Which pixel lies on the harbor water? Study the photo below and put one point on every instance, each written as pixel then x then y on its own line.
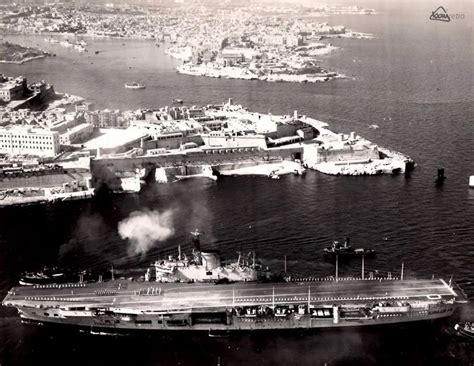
pixel 413 80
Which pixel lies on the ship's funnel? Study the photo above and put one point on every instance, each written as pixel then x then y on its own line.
pixel 211 260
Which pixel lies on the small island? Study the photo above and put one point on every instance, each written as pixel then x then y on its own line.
pixel 11 53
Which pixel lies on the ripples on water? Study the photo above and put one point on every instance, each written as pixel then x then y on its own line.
pixel 419 96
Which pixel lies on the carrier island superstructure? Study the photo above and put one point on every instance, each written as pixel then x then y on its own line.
pixel 201 293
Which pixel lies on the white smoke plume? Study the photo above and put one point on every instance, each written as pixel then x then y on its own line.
pixel 144 229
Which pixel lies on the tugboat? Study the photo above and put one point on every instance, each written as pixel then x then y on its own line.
pixel 55 275
pixel 45 276
pixel 465 329
pixel 134 86
pixel 345 250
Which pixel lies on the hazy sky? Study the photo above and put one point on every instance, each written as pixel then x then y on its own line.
pixel 466 5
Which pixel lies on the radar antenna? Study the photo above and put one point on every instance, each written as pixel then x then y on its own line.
pixel 196 233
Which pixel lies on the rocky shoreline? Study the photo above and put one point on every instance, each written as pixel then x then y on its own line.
pixel 246 74
pixel 12 53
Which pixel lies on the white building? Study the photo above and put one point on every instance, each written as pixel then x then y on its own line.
pixel 220 139
pixel 114 141
pixel 77 134
pixel 29 141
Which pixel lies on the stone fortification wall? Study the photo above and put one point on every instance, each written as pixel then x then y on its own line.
pixel 104 169
pixel 346 154
pixel 195 158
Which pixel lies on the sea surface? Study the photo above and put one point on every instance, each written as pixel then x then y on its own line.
pixel 414 80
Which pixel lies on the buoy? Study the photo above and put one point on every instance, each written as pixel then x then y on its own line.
pixel 441 177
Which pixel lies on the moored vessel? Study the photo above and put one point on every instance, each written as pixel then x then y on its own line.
pixel 346 250
pixel 134 85
pixel 44 276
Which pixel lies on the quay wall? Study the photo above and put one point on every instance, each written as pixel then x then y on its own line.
pixel 104 170
pixel 194 158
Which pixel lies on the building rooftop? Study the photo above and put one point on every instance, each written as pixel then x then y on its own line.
pixel 114 137
pixel 77 128
pixel 27 129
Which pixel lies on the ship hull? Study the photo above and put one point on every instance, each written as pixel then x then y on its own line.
pixel 235 324
pixel 129 305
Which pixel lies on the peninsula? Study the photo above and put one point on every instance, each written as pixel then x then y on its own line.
pixel 49 153
pixel 16 54
pixel 268 42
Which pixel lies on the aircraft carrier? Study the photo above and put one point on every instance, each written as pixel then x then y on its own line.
pixel 201 293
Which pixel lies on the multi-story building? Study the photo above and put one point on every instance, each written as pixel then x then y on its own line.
pixel 92 118
pixel 29 141
pixel 77 134
pixel 220 139
pixel 108 118
pixel 12 89
pixel 84 107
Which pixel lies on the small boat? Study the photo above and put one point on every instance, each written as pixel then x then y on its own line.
pixel 45 276
pixel 177 101
pixel 274 175
pixel 465 329
pixel 57 275
pixel 345 250
pixel 134 86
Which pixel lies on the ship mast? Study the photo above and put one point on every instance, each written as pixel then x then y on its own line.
pixel 197 245
pixel 363 258
pixel 196 241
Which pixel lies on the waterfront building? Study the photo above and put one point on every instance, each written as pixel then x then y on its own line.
pixel 18 140
pixel 346 148
pixel 230 57
pixel 220 139
pixel 12 89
